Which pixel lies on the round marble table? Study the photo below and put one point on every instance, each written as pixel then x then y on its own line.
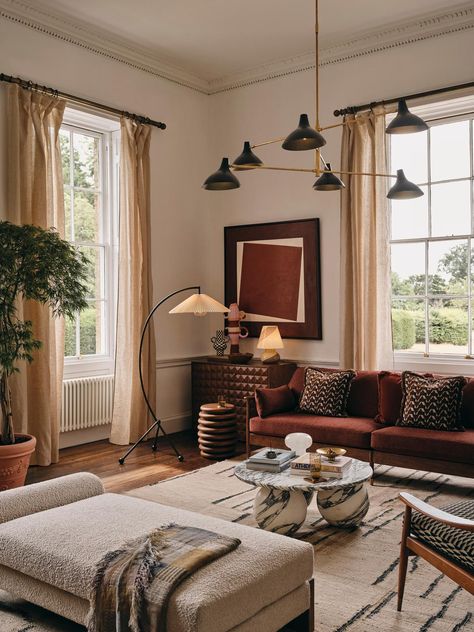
pixel 282 499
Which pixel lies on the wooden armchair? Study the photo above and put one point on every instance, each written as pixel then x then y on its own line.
pixel 443 539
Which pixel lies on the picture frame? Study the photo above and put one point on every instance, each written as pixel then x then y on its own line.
pixel 273 272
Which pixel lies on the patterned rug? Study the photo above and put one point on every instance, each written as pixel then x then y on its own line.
pixel 355 571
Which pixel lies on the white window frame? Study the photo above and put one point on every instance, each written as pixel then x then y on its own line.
pixel 108 131
pixel 456 109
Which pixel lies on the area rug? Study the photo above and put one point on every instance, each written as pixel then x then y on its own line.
pixel 355 570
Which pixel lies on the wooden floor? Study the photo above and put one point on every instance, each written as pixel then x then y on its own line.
pixel 142 467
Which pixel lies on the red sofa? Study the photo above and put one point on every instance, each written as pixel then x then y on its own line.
pixel 367 439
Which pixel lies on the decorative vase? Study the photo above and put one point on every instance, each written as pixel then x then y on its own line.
pixel 234 329
pixel 219 342
pixel 14 461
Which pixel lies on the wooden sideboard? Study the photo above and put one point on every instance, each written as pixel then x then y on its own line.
pixel 235 382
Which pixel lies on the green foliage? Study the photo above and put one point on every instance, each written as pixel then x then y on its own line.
pixel 35 265
pixel 403 329
pixel 454 263
pixel 448 325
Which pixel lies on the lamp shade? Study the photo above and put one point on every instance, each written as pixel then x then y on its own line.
pixel 199 305
pixel 328 181
pixel 403 189
pixel 270 338
pixel 405 122
pixel 303 137
pixel 247 158
pixel 221 180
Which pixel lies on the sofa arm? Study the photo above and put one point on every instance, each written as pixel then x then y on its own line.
pixel 23 501
pixel 250 407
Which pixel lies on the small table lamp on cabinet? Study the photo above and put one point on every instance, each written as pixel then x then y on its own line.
pixel 269 341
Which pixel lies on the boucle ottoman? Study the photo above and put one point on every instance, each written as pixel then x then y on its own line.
pixel 52 534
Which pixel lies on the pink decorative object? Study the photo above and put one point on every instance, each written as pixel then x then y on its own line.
pixel 233 328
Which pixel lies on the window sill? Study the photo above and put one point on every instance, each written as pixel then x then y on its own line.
pixel 455 365
pixel 87 367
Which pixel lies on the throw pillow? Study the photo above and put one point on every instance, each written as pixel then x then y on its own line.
pixel 324 393
pixel 270 401
pixel 390 397
pixel 431 403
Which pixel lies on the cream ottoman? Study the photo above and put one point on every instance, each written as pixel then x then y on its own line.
pixel 52 534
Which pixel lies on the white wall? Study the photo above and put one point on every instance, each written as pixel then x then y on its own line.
pixel 270 110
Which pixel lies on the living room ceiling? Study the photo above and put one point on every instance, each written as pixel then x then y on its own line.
pixel 213 39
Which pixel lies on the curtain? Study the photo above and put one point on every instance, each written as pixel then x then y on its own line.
pixel 35 196
pixel 135 291
pixel 366 332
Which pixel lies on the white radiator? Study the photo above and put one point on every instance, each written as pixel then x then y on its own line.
pixel 87 402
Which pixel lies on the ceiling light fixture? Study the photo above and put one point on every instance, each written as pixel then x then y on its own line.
pixel 305 137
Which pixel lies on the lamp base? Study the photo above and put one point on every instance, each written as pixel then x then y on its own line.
pixel 270 356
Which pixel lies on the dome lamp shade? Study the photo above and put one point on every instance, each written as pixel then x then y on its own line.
pixel 247 158
pixel 328 181
pixel 221 180
pixel 405 122
pixel 403 189
pixel 304 137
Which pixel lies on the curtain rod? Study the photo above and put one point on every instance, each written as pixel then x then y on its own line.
pixel 367 106
pixel 30 85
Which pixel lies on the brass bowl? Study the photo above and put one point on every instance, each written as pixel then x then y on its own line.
pixel 331 454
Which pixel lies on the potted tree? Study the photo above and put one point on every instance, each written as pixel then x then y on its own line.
pixel 35 265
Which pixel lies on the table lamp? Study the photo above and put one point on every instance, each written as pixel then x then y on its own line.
pixel 269 341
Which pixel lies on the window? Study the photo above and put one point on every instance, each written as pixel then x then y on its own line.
pixel 432 239
pixel 89 158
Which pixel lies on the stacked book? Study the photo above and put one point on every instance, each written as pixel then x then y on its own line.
pixel 269 460
pixel 329 469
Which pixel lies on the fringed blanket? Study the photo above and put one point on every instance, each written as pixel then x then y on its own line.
pixel 133 585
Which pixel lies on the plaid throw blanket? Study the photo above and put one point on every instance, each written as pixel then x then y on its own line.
pixel 133 585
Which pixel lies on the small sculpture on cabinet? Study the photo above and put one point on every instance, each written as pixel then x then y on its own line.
pixel 219 342
pixel 235 332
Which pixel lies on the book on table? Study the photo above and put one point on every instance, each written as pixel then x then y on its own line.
pixel 280 456
pixel 335 468
pixel 266 467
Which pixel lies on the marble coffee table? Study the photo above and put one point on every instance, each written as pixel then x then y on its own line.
pixel 282 499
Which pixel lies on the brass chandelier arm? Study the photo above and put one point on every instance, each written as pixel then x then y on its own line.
pixel 302 170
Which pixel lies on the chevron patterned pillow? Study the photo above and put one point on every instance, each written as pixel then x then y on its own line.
pixel 324 393
pixel 431 403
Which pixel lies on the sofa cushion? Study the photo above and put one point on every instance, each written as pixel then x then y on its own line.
pixel 326 393
pixel 61 547
pixel 456 544
pixel 431 444
pixel 352 432
pixel 274 400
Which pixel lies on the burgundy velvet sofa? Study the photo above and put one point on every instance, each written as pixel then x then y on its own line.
pixel 366 438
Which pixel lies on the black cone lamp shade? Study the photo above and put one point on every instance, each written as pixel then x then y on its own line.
pixel 222 180
pixel 328 181
pixel 247 158
pixel 403 189
pixel 405 122
pixel 303 137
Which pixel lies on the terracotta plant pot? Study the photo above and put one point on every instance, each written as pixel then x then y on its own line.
pixel 14 461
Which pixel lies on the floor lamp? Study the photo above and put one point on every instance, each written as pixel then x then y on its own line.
pixel 198 304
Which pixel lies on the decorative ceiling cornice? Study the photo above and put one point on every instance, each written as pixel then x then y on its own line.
pixel 40 17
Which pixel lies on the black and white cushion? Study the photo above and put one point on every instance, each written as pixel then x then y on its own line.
pixel 431 403
pixel 325 393
pixel 455 544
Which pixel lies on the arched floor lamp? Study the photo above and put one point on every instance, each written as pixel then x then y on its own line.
pixel 198 304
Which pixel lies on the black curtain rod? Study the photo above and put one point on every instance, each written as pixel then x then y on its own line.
pixel 30 85
pixel 368 106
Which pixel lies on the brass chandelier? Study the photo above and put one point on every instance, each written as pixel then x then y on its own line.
pixel 305 137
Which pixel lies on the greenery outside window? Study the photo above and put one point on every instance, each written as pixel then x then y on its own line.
pixel 89 149
pixel 432 240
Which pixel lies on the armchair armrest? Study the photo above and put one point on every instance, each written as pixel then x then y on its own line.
pixel 250 407
pixel 436 514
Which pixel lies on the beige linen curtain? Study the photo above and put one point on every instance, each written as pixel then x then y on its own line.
pixel 35 196
pixel 135 291
pixel 366 336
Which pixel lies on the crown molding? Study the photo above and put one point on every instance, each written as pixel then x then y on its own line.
pixel 40 17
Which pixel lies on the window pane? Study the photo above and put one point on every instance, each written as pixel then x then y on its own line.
pixel 410 153
pixel 408 325
pixel 91 328
pixel 451 209
pixel 448 330
pixel 450 151
pixel 86 160
pixel 70 337
pixel 86 216
pixel 64 144
pixel 95 271
pixel 410 217
pixel 408 269
pixel 447 267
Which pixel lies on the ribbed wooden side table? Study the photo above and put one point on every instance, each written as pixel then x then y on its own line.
pixel 217 431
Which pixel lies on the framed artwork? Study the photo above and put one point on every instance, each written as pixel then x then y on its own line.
pixel 273 272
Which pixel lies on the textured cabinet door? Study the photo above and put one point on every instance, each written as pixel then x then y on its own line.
pixel 235 382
